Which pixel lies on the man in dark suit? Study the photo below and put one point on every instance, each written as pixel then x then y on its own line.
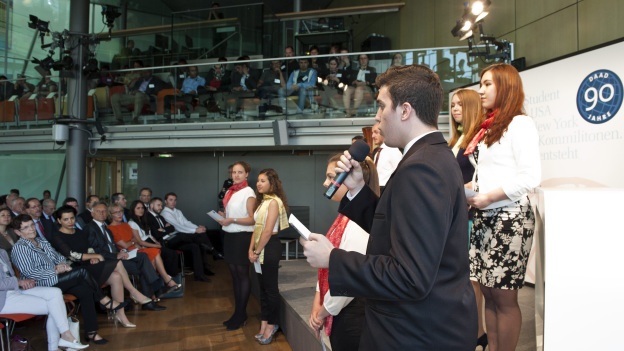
pixel 415 274
pixel 85 217
pixel 144 91
pixel 167 235
pixel 101 240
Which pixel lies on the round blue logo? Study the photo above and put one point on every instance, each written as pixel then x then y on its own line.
pixel 600 96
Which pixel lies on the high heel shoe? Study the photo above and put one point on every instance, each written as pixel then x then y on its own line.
pixel 268 340
pixel 483 341
pixel 90 336
pixel 142 302
pixel 112 311
pixel 176 286
pixel 125 325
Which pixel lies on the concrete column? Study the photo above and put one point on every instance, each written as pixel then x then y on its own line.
pixel 77 107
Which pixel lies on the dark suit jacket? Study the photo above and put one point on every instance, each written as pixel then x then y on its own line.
pixel 251 83
pixel 368 77
pixel 154 86
pixel 86 216
pixel 98 242
pixel 154 227
pixel 415 276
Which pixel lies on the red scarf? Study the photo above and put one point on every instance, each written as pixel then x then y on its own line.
pixel 234 188
pixel 335 237
pixel 477 138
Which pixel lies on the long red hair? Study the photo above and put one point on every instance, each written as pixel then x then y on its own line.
pixel 509 100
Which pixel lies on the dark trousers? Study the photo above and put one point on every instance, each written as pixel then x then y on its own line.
pixel 269 291
pixel 141 266
pixel 186 98
pixel 81 284
pixel 170 259
pixel 347 327
pixel 187 243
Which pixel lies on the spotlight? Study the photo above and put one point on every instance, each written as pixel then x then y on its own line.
pixel 110 13
pixel 36 23
pixel 466 36
pixel 471 17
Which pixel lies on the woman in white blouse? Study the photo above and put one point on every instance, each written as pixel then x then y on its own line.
pixel 506 153
pixel 342 317
pixel 239 203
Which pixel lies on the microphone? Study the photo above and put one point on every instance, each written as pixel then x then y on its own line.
pixel 358 150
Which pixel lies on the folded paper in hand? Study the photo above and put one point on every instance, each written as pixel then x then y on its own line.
pixel 299 227
pixel 214 215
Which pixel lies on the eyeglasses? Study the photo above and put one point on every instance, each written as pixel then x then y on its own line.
pixel 116 212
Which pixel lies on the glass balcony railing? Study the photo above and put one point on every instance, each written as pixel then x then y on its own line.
pixel 253 88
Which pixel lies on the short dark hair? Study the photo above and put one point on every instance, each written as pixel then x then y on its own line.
pixel 154 199
pixel 222 59
pixel 64 209
pixel 314 47
pixel 115 197
pixel 359 137
pixel 146 188
pixel 69 199
pixel 242 58
pixel 91 197
pixel 417 85
pixel 170 194
pixel 14 191
pixel 16 223
pixel 29 200
pixel 304 59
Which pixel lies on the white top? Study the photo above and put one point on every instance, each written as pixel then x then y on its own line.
pixel 389 158
pixel 354 238
pixel 512 163
pixel 142 233
pixel 456 146
pixel 237 208
pixel 176 218
pixel 276 227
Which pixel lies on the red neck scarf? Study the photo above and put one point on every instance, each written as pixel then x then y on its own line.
pixel 234 188
pixel 335 237
pixel 477 138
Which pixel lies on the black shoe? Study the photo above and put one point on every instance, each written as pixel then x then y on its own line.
pixel 208 272
pixel 216 254
pixel 202 279
pixel 152 307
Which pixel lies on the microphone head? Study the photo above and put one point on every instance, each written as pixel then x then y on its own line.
pixel 359 150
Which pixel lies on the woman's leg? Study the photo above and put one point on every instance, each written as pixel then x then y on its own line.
pixel 479 296
pixel 121 270
pixel 269 284
pixel 359 97
pixel 157 262
pixel 503 318
pixel 117 293
pixel 242 289
pixel 346 99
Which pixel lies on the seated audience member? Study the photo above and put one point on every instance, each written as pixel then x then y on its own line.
pixel 46 195
pixel 244 81
pixel 143 92
pixel 48 208
pixel 130 78
pixel 107 79
pixel 46 86
pixel 70 201
pixel 132 235
pixel 361 81
pixel 36 259
pixel 74 245
pixel 101 241
pixel 145 195
pixel 22 88
pixel 17 205
pixel 177 75
pixel 3 201
pixel 316 62
pixel 7 235
pixel 183 225
pixel 345 63
pixel 331 85
pixel 289 65
pixel 6 88
pixel 217 84
pixel 130 50
pixel 187 93
pixel 34 210
pixel 300 82
pixel 85 217
pixel 22 296
pixel 270 83
pixel 166 234
pixel 397 59
pixel 120 199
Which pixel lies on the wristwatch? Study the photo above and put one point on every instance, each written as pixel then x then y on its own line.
pixel 234 220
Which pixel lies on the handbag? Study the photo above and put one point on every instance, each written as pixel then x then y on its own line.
pixel 74 326
pixel 19 343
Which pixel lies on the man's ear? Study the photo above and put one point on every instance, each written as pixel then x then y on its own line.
pixel 406 111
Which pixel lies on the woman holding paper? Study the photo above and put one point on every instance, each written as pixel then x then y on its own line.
pixel 127 237
pixel 506 151
pixel 73 243
pixel 265 248
pixel 342 317
pixel 239 202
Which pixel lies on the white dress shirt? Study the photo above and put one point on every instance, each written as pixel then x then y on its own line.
pixel 387 161
pixel 237 208
pixel 176 218
pixel 512 163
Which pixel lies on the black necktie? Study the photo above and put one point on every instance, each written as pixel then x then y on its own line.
pixel 111 247
pixel 160 223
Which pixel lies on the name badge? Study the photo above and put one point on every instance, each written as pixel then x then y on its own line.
pixel 181 76
pixel 339 75
pixel 366 72
pixel 304 78
pixel 43 85
pixel 151 86
pixel 277 81
pixel 283 67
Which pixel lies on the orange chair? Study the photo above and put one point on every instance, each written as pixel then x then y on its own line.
pixel 8 322
pixel 27 110
pixel 7 111
pixel 115 89
pixel 160 101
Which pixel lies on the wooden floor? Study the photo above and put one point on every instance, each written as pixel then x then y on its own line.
pixel 189 323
